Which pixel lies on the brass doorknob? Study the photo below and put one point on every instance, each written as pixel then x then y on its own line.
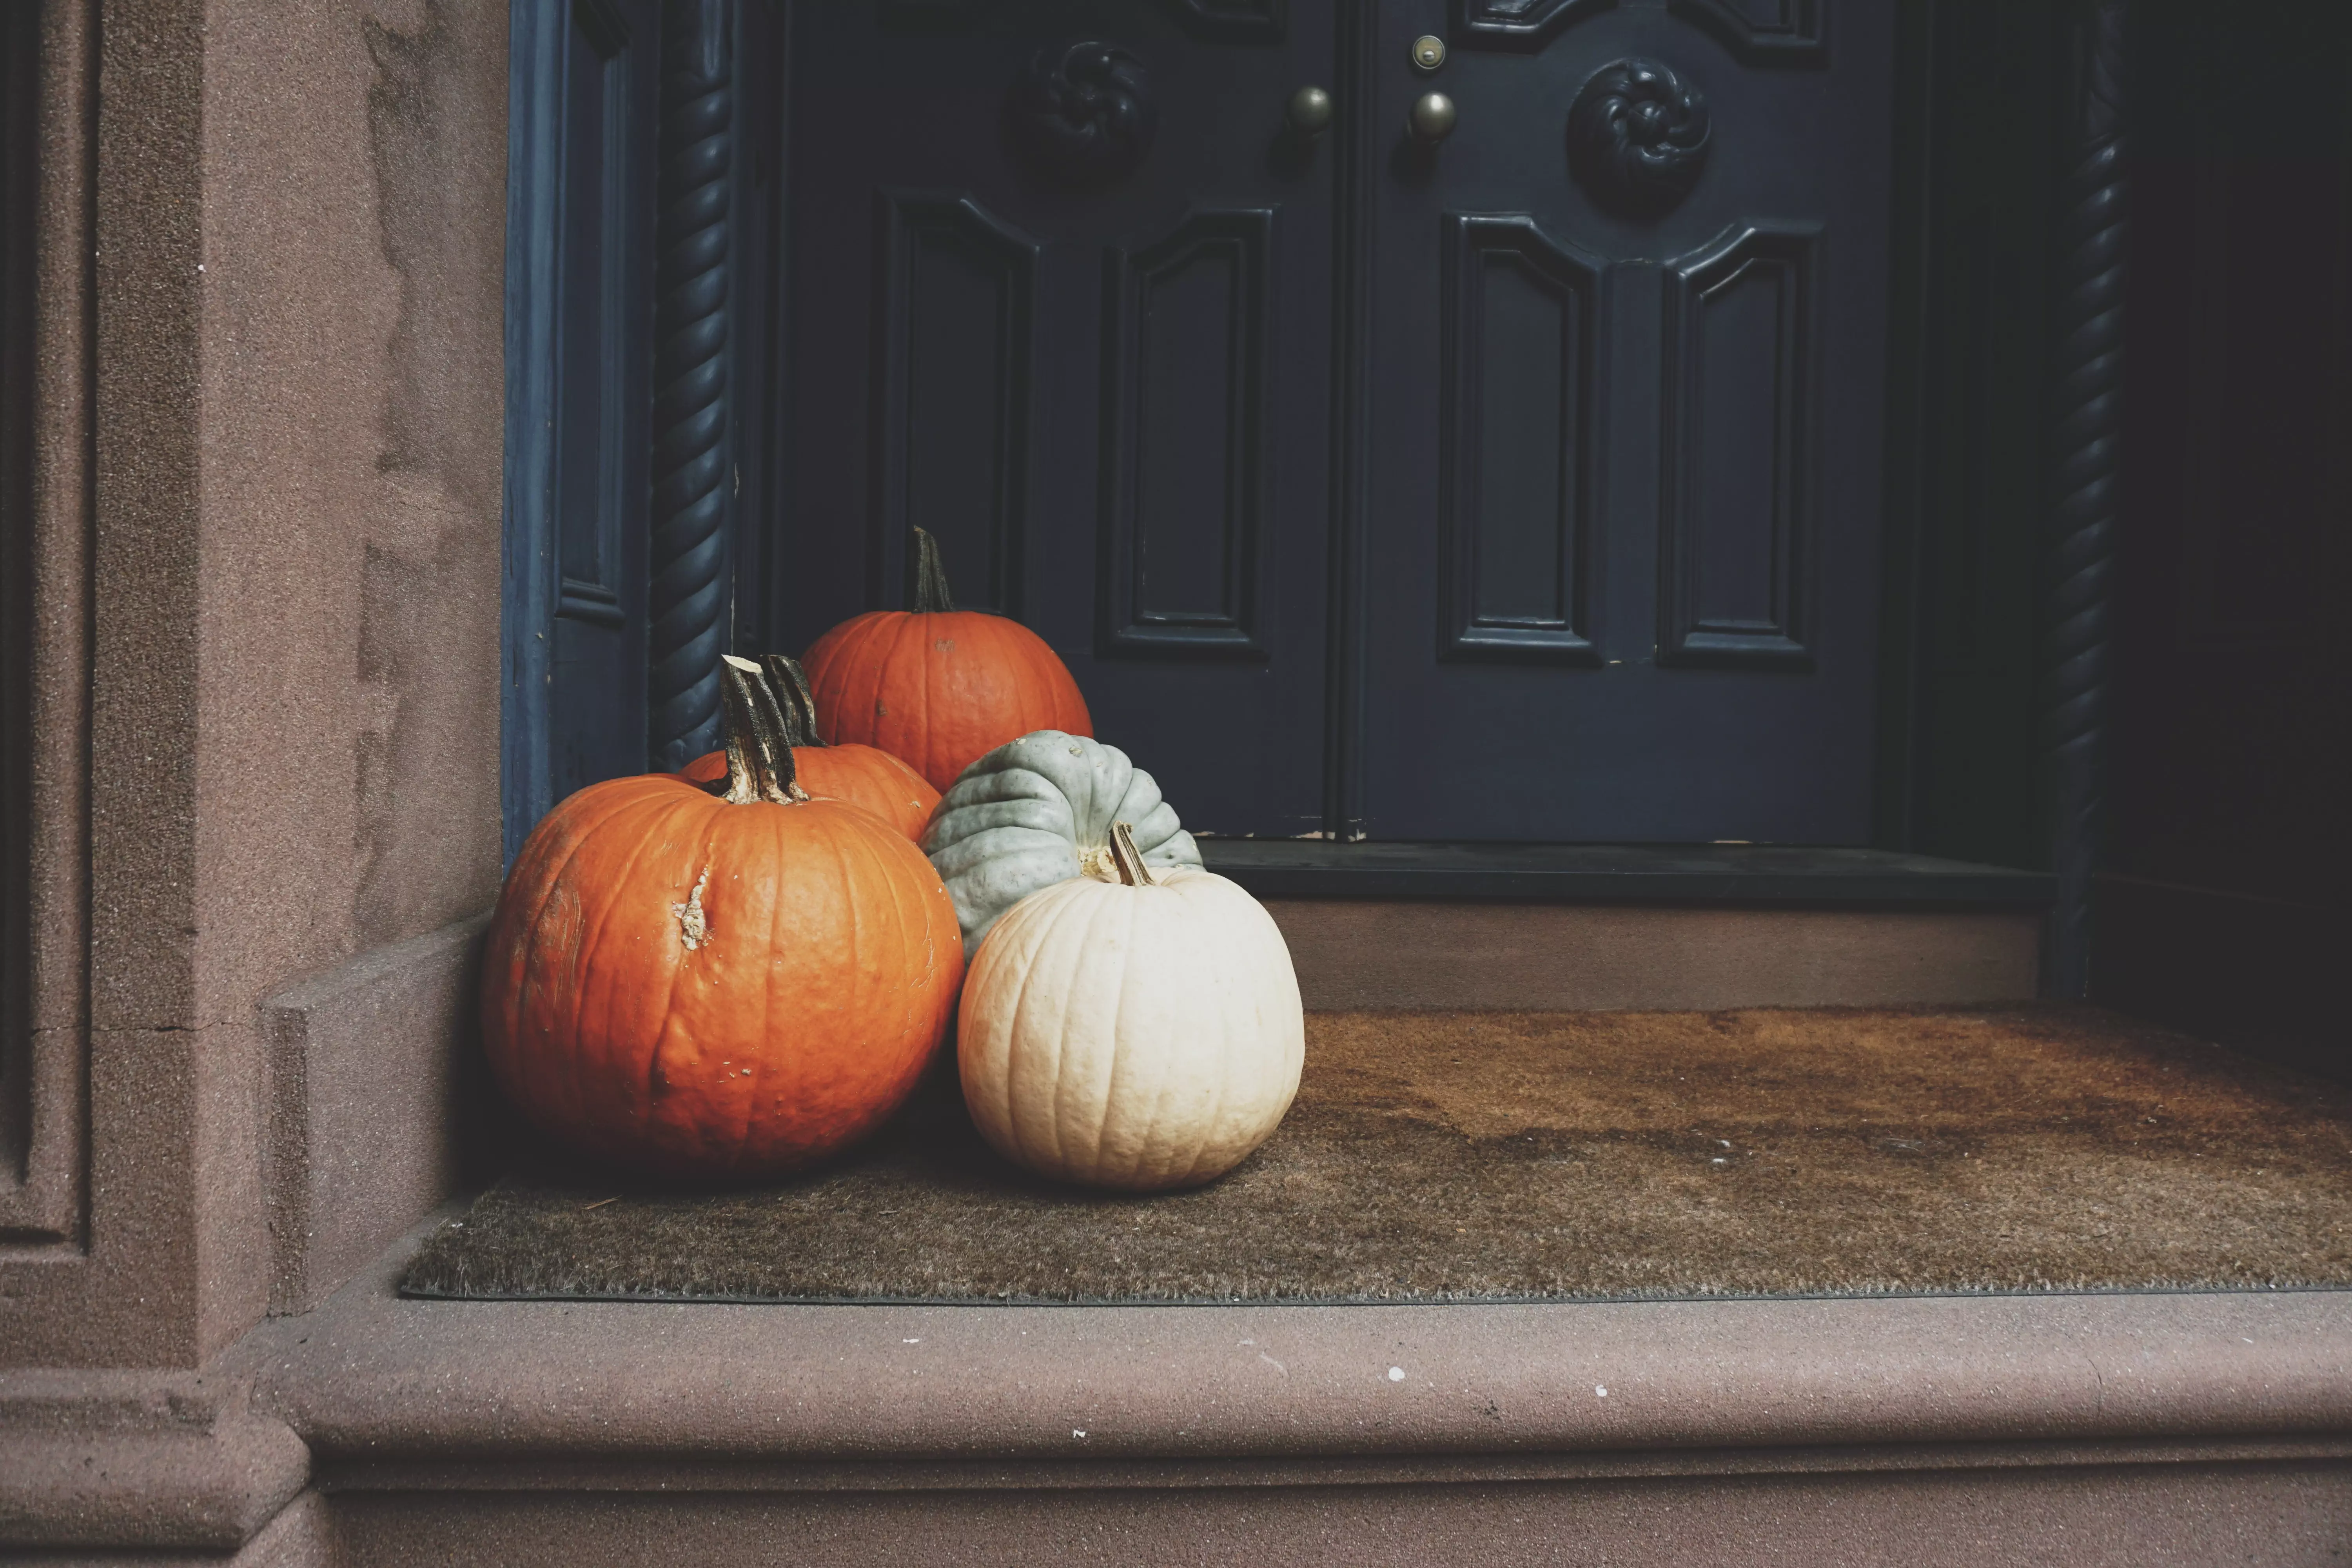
pixel 1310 111
pixel 1431 118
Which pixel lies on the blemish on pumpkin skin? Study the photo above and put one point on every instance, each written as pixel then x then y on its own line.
pixel 693 925
pixel 945 645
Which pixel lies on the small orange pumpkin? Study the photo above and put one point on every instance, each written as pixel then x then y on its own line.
pixel 936 686
pixel 862 775
pixel 717 984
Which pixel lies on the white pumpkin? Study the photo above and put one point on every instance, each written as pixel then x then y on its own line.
pixel 1037 811
pixel 1138 1030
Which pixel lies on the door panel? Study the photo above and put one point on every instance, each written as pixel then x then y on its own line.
pixel 1518 437
pixel 1737 518
pixel 1184 438
pixel 1107 394
pixel 955 356
pixel 596 688
pixel 1695 660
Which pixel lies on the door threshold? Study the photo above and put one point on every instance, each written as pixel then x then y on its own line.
pixel 1617 873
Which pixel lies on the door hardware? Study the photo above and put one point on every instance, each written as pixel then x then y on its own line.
pixel 1431 118
pixel 1310 111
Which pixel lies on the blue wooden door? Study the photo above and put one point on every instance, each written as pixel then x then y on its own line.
pixel 580 316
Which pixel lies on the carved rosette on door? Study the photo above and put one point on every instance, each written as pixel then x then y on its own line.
pixel 1638 136
pixel 1082 111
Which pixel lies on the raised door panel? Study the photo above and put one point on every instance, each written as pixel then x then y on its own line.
pixel 602 404
pixel 1737 512
pixel 1184 436
pixel 954 351
pixel 1519 443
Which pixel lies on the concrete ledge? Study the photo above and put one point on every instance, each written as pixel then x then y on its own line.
pixel 365 1113
pixel 2267 1514
pixel 373 1377
pixel 1444 955
pixel 139 1460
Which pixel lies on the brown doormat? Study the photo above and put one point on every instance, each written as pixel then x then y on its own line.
pixel 1496 1156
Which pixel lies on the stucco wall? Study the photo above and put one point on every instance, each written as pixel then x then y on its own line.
pixel 293 517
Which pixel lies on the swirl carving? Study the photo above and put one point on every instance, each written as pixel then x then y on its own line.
pixel 1083 112
pixel 2086 403
pixel 687 591
pixel 1638 136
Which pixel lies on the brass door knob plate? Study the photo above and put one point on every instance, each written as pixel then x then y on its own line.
pixel 1310 111
pixel 1431 118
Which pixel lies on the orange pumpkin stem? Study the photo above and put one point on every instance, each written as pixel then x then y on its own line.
pixel 927 579
pixel 759 757
pixel 1127 858
pixel 791 684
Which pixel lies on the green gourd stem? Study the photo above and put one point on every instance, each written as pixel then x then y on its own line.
pixel 759 762
pixel 791 684
pixel 1127 858
pixel 927 580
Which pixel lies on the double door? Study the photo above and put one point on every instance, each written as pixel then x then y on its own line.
pixel 1498 468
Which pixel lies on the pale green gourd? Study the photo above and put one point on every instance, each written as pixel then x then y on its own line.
pixel 1037 811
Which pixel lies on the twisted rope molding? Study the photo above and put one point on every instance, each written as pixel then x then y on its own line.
pixel 693 462
pixel 2086 465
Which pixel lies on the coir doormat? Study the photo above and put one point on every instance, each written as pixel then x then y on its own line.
pixel 1483 1156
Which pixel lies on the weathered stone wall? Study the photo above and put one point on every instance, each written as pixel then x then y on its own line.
pixel 288 499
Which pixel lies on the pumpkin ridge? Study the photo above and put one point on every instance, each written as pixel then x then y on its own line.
pixel 1225 957
pixel 874 653
pixel 752 1121
pixel 1062 910
pixel 576 841
pixel 577 967
pixel 548 882
pixel 876 854
pixel 1216 1114
pixel 927 664
pixel 867 660
pixel 592 936
pixel 1024 977
pixel 1119 1070
pixel 843 878
pixel 1045 684
pixel 709 858
pixel 593 941
pixel 855 854
pixel 778 831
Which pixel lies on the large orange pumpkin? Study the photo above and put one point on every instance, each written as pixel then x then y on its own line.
pixel 716 984
pixel 862 775
pixel 938 686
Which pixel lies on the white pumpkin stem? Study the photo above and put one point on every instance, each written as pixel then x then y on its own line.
pixel 759 760
pixel 1126 858
pixel 926 580
pixel 790 682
